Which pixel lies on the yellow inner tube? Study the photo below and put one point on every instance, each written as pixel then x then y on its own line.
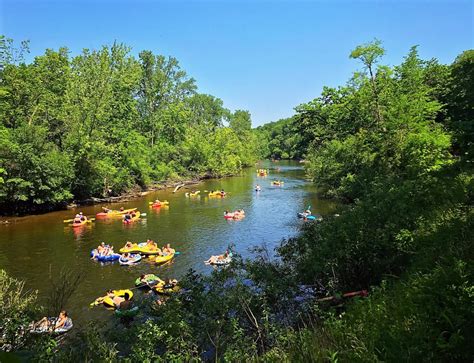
pixel 109 302
pixel 137 215
pixel 160 289
pixel 163 259
pixel 118 213
pixel 145 250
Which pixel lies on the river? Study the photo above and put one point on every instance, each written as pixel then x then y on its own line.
pixel 34 248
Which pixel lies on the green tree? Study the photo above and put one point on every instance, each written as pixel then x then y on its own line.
pixel 369 54
pixel 162 83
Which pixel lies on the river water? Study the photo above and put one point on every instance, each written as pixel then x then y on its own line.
pixel 35 248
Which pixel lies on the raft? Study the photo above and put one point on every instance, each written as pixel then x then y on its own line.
pixel 102 258
pixel 223 262
pixel 66 327
pixel 309 217
pixel 133 259
pixel 139 248
pixel 151 280
pixel 234 216
pixel 162 259
pixel 114 213
pixel 277 183
pixel 109 303
pixel 80 224
pixel 128 221
pixel 160 204
pixel 165 289
pixel 195 194
pixel 217 194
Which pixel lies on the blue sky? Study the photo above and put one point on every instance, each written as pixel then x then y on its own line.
pixel 264 56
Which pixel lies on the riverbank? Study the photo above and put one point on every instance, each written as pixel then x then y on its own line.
pixel 135 193
pixel 194 226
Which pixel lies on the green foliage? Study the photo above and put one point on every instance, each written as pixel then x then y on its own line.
pixel 460 100
pixel 89 344
pixel 407 225
pixel 17 307
pixel 280 140
pixel 104 122
pixel 394 144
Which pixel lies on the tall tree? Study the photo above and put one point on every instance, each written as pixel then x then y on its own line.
pixel 162 83
pixel 369 54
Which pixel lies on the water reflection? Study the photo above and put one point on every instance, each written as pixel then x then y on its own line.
pixel 36 247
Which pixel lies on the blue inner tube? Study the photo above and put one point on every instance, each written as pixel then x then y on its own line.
pixel 113 257
pixel 131 260
pixel 309 217
pixel 102 258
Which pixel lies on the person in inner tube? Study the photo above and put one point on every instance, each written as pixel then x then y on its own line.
pixel 126 304
pixel 47 324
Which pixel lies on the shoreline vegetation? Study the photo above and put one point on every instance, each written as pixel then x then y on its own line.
pixel 102 122
pixel 388 278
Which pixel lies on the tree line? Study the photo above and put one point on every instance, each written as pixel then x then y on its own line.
pixel 105 121
pixel 395 146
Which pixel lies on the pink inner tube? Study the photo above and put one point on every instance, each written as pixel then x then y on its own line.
pixel 229 216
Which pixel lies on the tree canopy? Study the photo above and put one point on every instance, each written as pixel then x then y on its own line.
pixel 103 122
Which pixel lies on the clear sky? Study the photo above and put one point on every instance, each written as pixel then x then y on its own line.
pixel 264 56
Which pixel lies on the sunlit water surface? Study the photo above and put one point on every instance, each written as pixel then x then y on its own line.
pixel 36 247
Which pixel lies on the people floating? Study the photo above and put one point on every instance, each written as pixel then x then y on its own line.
pixel 114 299
pixel 237 214
pixel 79 218
pixel 103 250
pixel 52 324
pixel 152 246
pixel 167 250
pixel 223 259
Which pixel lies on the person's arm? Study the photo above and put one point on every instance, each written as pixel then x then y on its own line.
pixel 60 323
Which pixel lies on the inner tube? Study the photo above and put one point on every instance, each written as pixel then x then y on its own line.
pixel 160 204
pixel 79 224
pixel 133 219
pixel 163 259
pixel 196 193
pixel 135 258
pixel 114 213
pixel 166 289
pixel 306 216
pixel 66 327
pixel 126 294
pixel 130 313
pixel 103 258
pixel 223 262
pixel 139 248
pixel 150 279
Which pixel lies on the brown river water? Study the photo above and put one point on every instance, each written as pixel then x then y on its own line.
pixel 35 248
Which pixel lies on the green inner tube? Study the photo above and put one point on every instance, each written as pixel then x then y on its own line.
pixel 127 313
pixel 150 279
